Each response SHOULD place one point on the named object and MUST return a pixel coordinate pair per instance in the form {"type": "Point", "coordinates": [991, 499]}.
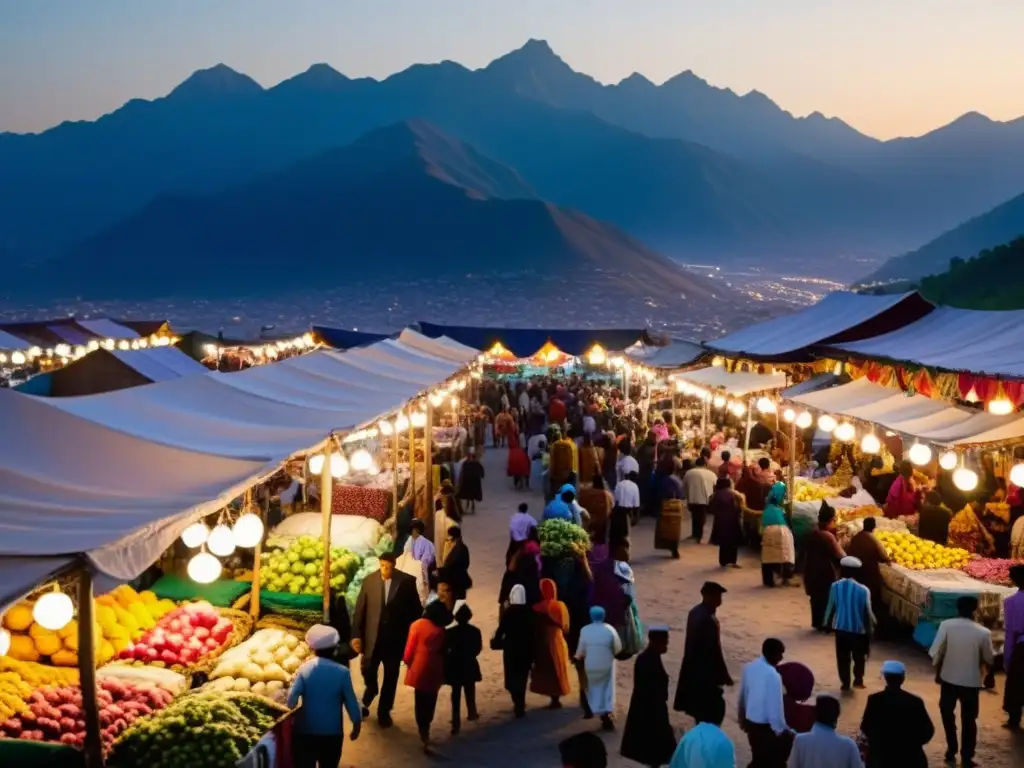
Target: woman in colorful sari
{"type": "Point", "coordinates": [550, 675]}
{"type": "Point", "coordinates": [778, 550]}
{"type": "Point", "coordinates": [902, 497]}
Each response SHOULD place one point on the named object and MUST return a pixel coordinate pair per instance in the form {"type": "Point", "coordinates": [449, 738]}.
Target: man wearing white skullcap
{"type": "Point", "coordinates": [896, 723]}
{"type": "Point", "coordinates": [324, 688]}
{"type": "Point", "coordinates": [849, 613]}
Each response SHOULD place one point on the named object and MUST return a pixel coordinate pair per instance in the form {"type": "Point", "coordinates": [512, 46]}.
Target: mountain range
{"type": "Point", "coordinates": [404, 202]}
{"type": "Point", "coordinates": [992, 280]}
{"type": "Point", "coordinates": [697, 172]}
{"type": "Point", "coordinates": [1000, 225]}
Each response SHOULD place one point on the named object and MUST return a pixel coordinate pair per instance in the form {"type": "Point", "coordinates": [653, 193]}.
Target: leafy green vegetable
{"type": "Point", "coordinates": [558, 538]}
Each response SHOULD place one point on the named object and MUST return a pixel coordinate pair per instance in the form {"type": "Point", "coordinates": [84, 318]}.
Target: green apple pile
{"type": "Point", "coordinates": [298, 568]}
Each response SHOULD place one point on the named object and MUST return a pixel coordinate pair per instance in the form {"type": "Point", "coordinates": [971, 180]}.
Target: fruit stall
{"type": "Point", "coordinates": [144, 592]}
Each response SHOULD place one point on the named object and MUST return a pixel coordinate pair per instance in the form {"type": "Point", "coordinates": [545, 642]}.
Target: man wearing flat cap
{"type": "Point", "coordinates": [388, 604]}
{"type": "Point", "coordinates": [849, 613]}
{"type": "Point", "coordinates": [896, 723]}
{"type": "Point", "coordinates": [648, 737]}
{"type": "Point", "coordinates": [703, 671]}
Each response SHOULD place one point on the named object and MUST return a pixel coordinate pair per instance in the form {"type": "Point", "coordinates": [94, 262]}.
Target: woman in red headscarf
{"type": "Point", "coordinates": [550, 676]}
{"type": "Point", "coordinates": [518, 465]}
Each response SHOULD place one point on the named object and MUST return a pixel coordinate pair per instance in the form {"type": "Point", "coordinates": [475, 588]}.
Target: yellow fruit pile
{"type": "Point", "coordinates": [919, 554]}
{"type": "Point", "coordinates": [807, 491]}
{"type": "Point", "coordinates": [121, 617]}
{"type": "Point", "coordinates": [868, 510]}
{"type": "Point", "coordinates": [18, 679]}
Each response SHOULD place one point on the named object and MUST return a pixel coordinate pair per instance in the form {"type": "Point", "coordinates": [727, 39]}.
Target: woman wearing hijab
{"type": "Point", "coordinates": [797, 686]}
{"type": "Point", "coordinates": [550, 676]}
{"type": "Point", "coordinates": [518, 466]}
{"type": "Point", "coordinates": [424, 660]}
{"type": "Point", "coordinates": [589, 459]}
{"type": "Point", "coordinates": [515, 639]}
{"type": "Point", "coordinates": [902, 496]}
{"type": "Point", "coordinates": [599, 645]}
{"type": "Point", "coordinates": [598, 501]}
{"type": "Point", "coordinates": [727, 528]}
{"type": "Point", "coordinates": [455, 569]}
{"type": "Point", "coordinates": [325, 690]}
{"type": "Point", "coordinates": [778, 550]}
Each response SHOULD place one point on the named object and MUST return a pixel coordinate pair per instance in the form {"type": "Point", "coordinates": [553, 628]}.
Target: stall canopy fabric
{"type": "Point", "coordinates": [47, 334]}
{"type": "Point", "coordinates": [339, 338]}
{"type": "Point", "coordinates": [524, 342]}
{"type": "Point", "coordinates": [676, 354]}
{"type": "Point", "coordinates": [110, 370]}
{"type": "Point", "coordinates": [839, 317]}
{"type": "Point", "coordinates": [442, 346]}
{"type": "Point", "coordinates": [736, 384]}
{"type": "Point", "coordinates": [984, 343]}
{"type": "Point", "coordinates": [933, 421]}
{"type": "Point", "coordinates": [119, 475]}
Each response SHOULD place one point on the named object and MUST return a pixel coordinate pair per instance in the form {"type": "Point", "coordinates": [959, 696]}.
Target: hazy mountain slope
{"type": "Point", "coordinates": [1000, 225]}
{"type": "Point", "coordinates": [992, 280]}
{"type": "Point", "coordinates": [404, 202]}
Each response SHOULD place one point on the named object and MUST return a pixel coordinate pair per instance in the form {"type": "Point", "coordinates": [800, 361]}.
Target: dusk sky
{"type": "Point", "coordinates": [887, 68]}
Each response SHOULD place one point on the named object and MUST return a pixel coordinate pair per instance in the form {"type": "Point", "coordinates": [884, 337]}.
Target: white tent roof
{"type": "Point", "coordinates": [736, 384]}
{"type": "Point", "coordinates": [956, 340]}
{"type": "Point", "coordinates": [119, 475]}
{"type": "Point", "coordinates": [159, 363]}
{"type": "Point", "coordinates": [103, 326]}
{"type": "Point", "coordinates": [7, 341]}
{"type": "Point", "coordinates": [442, 346]}
{"type": "Point", "coordinates": [915, 415]}
{"type": "Point", "coordinates": [837, 312]}
{"type": "Point", "coordinates": [676, 354]}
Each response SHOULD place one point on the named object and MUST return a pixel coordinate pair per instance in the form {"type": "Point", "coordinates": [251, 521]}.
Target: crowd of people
{"type": "Point", "coordinates": [604, 465]}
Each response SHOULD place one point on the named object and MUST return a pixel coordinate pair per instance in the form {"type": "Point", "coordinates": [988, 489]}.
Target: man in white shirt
{"type": "Point", "coordinates": [822, 747]}
{"type": "Point", "coordinates": [698, 486]}
{"type": "Point", "coordinates": [761, 712]}
{"type": "Point", "coordinates": [626, 463]}
{"type": "Point", "coordinates": [960, 648]}
{"type": "Point", "coordinates": [627, 496]}
{"type": "Point", "coordinates": [524, 410]}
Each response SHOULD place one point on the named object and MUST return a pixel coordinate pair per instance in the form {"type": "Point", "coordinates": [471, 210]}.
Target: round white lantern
{"type": "Point", "coordinates": [965, 479]}
{"type": "Point", "coordinates": [385, 427]}
{"type": "Point", "coordinates": [1001, 406]}
{"type": "Point", "coordinates": [789, 415]}
{"type": "Point", "coordinates": [339, 465]}
{"type": "Point", "coordinates": [738, 408]}
{"type": "Point", "coordinates": [204, 568]}
{"type": "Point", "coordinates": [827, 423]}
{"type": "Point", "coordinates": [870, 443]}
{"type": "Point", "coordinates": [947, 460]}
{"type": "Point", "coordinates": [53, 611]}
{"type": "Point", "coordinates": [436, 398]}
{"type": "Point", "coordinates": [719, 401]}
{"type": "Point", "coordinates": [919, 454]}
{"type": "Point", "coordinates": [401, 423]}
{"type": "Point", "coordinates": [804, 420]}
{"type": "Point", "coordinates": [248, 530]}
{"type": "Point", "coordinates": [361, 460]}
{"type": "Point", "coordinates": [221, 541]}
{"type": "Point", "coordinates": [316, 463]}
{"type": "Point", "coordinates": [419, 419]}
{"type": "Point", "coordinates": [765, 405]}
{"type": "Point", "coordinates": [5, 642]}
{"type": "Point", "coordinates": [195, 535]}
{"type": "Point", "coordinates": [845, 432]}
{"type": "Point", "coordinates": [1017, 475]}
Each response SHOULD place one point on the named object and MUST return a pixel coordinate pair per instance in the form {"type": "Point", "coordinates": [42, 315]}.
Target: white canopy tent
{"type": "Point", "coordinates": [917, 416]}
{"type": "Point", "coordinates": [673, 356]}
{"type": "Point", "coordinates": [735, 384]}
{"type": "Point", "coordinates": [118, 476]}
{"type": "Point", "coordinates": [442, 346]}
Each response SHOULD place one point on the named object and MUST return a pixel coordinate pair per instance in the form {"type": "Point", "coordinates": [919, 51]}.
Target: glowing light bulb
{"type": "Point", "coordinates": [789, 415]}
{"type": "Point", "coordinates": [316, 463]}
{"type": "Point", "coordinates": [221, 541]}
{"type": "Point", "coordinates": [947, 460]}
{"type": "Point", "coordinates": [919, 454]}
{"type": "Point", "coordinates": [339, 465]}
{"type": "Point", "coordinates": [53, 611]}
{"type": "Point", "coordinates": [248, 530]}
{"type": "Point", "coordinates": [965, 479]}
{"type": "Point", "coordinates": [804, 420]}
{"type": "Point", "coordinates": [1001, 406]}
{"type": "Point", "coordinates": [845, 432]}
{"type": "Point", "coordinates": [1017, 475]}
{"type": "Point", "coordinates": [361, 460]}
{"type": "Point", "coordinates": [5, 642]}
{"type": "Point", "coordinates": [718, 401]}
{"type": "Point", "coordinates": [385, 427]}
{"type": "Point", "coordinates": [870, 444]}
{"type": "Point", "coordinates": [826, 423]}
{"type": "Point", "coordinates": [401, 422]}
{"type": "Point", "coordinates": [204, 568]}
{"type": "Point", "coordinates": [765, 405]}
{"type": "Point", "coordinates": [419, 419]}
{"type": "Point", "coordinates": [195, 535]}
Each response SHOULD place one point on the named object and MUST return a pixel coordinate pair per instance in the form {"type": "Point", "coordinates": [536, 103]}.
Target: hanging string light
{"type": "Point", "coordinates": [316, 463]}
{"type": "Point", "coordinates": [804, 420]}
{"type": "Point", "coordinates": [1017, 475]}
{"type": "Point", "coordinates": [436, 398]}
{"type": "Point", "coordinates": [5, 642]}
{"type": "Point", "coordinates": [419, 419]}
{"type": "Point", "coordinates": [195, 535]}
{"type": "Point", "coordinates": [361, 460]}
{"type": "Point", "coordinates": [845, 432]}
{"type": "Point", "coordinates": [221, 541]}
{"type": "Point", "coordinates": [870, 443]}
{"type": "Point", "coordinates": [738, 408]}
{"type": "Point", "coordinates": [965, 479]}
{"type": "Point", "coordinates": [339, 465]}
{"type": "Point", "coordinates": [401, 422]}
{"type": "Point", "coordinates": [919, 454]}
{"type": "Point", "coordinates": [947, 460]}
{"type": "Point", "coordinates": [247, 530]}
{"type": "Point", "coordinates": [53, 611]}
{"type": "Point", "coordinates": [204, 568]}
{"type": "Point", "coordinates": [765, 405]}
{"type": "Point", "coordinates": [789, 415]}
{"type": "Point", "coordinates": [718, 401]}
{"type": "Point", "coordinates": [827, 423]}
{"type": "Point", "coordinates": [385, 427]}
{"type": "Point", "coordinates": [1000, 406]}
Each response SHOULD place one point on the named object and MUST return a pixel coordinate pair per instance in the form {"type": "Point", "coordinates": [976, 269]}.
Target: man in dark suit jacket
{"type": "Point", "coordinates": [388, 604]}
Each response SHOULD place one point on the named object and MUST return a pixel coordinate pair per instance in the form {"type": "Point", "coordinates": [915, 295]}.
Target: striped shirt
{"type": "Point", "coordinates": [849, 602]}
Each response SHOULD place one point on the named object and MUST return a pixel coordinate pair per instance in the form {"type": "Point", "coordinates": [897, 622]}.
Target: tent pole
{"type": "Point", "coordinates": [792, 463]}
{"type": "Point", "coordinates": [750, 424]}
{"type": "Point", "coordinates": [394, 472]}
{"type": "Point", "coordinates": [87, 671]}
{"type": "Point", "coordinates": [704, 408]}
{"type": "Point", "coordinates": [428, 464]}
{"type": "Point", "coordinates": [412, 460]}
{"type": "Point", "coordinates": [326, 503]}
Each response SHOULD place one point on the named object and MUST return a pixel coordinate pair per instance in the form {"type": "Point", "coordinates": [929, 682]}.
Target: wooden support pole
{"type": "Point", "coordinates": [428, 463]}
{"type": "Point", "coordinates": [254, 595]}
{"type": "Point", "coordinates": [750, 425]}
{"type": "Point", "coordinates": [394, 472]}
{"type": "Point", "coordinates": [412, 461]}
{"type": "Point", "coordinates": [792, 464]}
{"type": "Point", "coordinates": [93, 746]}
{"type": "Point", "coordinates": [326, 503]}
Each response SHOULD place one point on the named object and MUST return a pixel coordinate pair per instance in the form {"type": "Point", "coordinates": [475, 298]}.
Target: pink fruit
{"type": "Point", "coordinates": [141, 652]}
{"type": "Point", "coordinates": [169, 656]}
{"type": "Point", "coordinates": [174, 625]}
{"type": "Point", "coordinates": [201, 633]}
{"type": "Point", "coordinates": [151, 654]}
{"type": "Point", "coordinates": [68, 738]}
{"type": "Point", "coordinates": [67, 725]}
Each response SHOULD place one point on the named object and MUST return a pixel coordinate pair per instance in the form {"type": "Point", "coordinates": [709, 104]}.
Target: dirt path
{"type": "Point", "coordinates": [667, 590]}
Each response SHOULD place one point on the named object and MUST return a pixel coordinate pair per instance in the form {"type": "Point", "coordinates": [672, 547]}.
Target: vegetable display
{"type": "Point", "coordinates": [919, 554]}
{"type": "Point", "coordinates": [560, 538]}
{"type": "Point", "coordinates": [263, 664]}
{"type": "Point", "coordinates": [200, 730]}
{"type": "Point", "coordinates": [182, 637]}
{"type": "Point", "coordinates": [808, 491]}
{"type": "Point", "coordinates": [298, 568]}
{"type": "Point", "coordinates": [54, 714]}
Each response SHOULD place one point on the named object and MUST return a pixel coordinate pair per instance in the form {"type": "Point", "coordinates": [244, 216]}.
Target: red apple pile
{"type": "Point", "coordinates": [55, 713]}
{"type": "Point", "coordinates": [182, 637]}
